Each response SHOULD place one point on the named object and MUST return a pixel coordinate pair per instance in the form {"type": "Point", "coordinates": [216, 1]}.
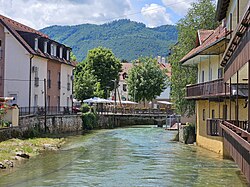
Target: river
{"type": "Point", "coordinates": [126, 157]}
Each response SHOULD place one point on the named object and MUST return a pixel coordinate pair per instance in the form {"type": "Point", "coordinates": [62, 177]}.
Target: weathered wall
{"type": "Point", "coordinates": [30, 126]}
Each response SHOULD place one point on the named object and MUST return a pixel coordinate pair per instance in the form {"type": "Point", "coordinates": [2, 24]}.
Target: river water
{"type": "Point", "coordinates": [126, 157]}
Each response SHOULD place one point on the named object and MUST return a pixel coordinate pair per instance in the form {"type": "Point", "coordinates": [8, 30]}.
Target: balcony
{"type": "Point", "coordinates": [207, 89]}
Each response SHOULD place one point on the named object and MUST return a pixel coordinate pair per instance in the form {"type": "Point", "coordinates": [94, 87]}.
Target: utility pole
{"type": "Point", "coordinates": [45, 106]}
{"type": "Point", "coordinates": [115, 94]}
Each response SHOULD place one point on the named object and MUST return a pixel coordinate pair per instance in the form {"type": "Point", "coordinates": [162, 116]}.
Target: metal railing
{"type": "Point", "coordinates": [51, 110]}
{"type": "Point", "coordinates": [211, 88]}
{"type": "Point", "coordinates": [241, 124]}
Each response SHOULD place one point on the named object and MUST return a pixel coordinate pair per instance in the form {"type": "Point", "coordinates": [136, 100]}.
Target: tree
{"type": "Point", "coordinates": [200, 16]}
{"type": "Point", "coordinates": [85, 83]}
{"type": "Point", "coordinates": [104, 66]}
{"type": "Point", "coordinates": [146, 80]}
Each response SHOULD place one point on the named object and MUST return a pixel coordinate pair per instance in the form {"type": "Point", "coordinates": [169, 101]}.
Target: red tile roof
{"type": "Point", "coordinates": [166, 66]}
{"type": "Point", "coordinates": [213, 37]}
{"type": "Point", "coordinates": [17, 28]}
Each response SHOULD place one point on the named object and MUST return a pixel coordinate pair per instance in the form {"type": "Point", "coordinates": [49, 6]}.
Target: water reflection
{"type": "Point", "coordinates": [126, 157]}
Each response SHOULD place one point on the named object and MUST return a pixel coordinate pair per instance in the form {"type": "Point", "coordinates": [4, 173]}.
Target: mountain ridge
{"type": "Point", "coordinates": [127, 39]}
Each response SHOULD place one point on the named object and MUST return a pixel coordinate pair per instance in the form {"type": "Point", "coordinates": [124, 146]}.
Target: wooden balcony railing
{"type": "Point", "coordinates": [213, 127]}
{"type": "Point", "coordinates": [206, 89]}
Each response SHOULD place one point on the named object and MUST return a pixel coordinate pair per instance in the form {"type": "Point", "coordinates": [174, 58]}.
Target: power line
{"type": "Point", "coordinates": [122, 16]}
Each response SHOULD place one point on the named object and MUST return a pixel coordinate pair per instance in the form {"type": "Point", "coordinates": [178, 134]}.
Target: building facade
{"type": "Point", "coordinates": [34, 69]}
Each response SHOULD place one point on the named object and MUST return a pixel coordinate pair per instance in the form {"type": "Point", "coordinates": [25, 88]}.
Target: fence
{"type": "Point", "coordinates": [49, 110]}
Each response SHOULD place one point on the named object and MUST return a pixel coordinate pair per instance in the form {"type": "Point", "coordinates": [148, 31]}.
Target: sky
{"type": "Point", "coordinates": [43, 13]}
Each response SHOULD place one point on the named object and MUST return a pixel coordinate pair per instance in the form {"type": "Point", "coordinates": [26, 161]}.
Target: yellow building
{"type": "Point", "coordinates": [222, 92]}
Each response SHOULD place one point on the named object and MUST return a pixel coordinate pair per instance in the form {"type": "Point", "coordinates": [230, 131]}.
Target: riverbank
{"type": "Point", "coordinates": [15, 150]}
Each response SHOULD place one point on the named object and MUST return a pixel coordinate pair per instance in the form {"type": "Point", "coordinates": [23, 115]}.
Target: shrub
{"type": "Point", "coordinates": [189, 132]}
{"type": "Point", "coordinates": [89, 120]}
{"type": "Point", "coordinates": [85, 108]}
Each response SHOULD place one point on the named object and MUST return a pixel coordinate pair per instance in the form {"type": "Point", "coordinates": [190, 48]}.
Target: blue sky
{"type": "Point", "coordinates": [42, 13]}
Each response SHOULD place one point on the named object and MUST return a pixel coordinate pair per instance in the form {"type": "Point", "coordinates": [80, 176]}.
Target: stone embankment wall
{"type": "Point", "coordinates": [30, 126]}
{"type": "Point", "coordinates": [33, 126]}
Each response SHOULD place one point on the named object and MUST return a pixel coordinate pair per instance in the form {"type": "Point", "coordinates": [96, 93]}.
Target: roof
{"type": "Point", "coordinates": [166, 66]}
{"type": "Point", "coordinates": [222, 7]}
{"type": "Point", "coordinates": [202, 35]}
{"type": "Point", "coordinates": [215, 36]}
{"type": "Point", "coordinates": [125, 68]}
{"type": "Point", "coordinates": [26, 36]}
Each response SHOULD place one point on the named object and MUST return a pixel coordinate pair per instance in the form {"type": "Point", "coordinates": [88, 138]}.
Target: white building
{"type": "Point", "coordinates": [28, 59]}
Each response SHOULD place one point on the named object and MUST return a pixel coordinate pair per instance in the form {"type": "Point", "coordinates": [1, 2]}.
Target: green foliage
{"type": "Point", "coordinates": [89, 120]}
{"type": "Point", "coordinates": [146, 80]}
{"type": "Point", "coordinates": [84, 82]}
{"type": "Point", "coordinates": [127, 39]}
{"type": "Point", "coordinates": [200, 16]}
{"type": "Point", "coordinates": [85, 108]}
{"type": "Point", "coordinates": [105, 67]}
{"type": "Point", "coordinates": [188, 132]}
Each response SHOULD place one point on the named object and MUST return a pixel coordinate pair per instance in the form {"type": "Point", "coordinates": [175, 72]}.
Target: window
{"type": "Point", "coordinates": [36, 44]}
{"type": "Point", "coordinates": [124, 75]}
{"type": "Point", "coordinates": [213, 114]}
{"type": "Point", "coordinates": [203, 114]}
{"type": "Point", "coordinates": [45, 47]}
{"type": "Point", "coordinates": [52, 49]}
{"type": "Point", "coordinates": [58, 103]}
{"type": "Point", "coordinates": [225, 112]}
{"type": "Point", "coordinates": [48, 101]}
{"type": "Point", "coordinates": [210, 74]}
{"type": "Point", "coordinates": [202, 76]}
{"type": "Point", "coordinates": [220, 73]}
{"type": "Point", "coordinates": [67, 101]}
{"type": "Point", "coordinates": [49, 80]}
{"type": "Point", "coordinates": [124, 87]}
{"type": "Point", "coordinates": [68, 53]}
{"type": "Point", "coordinates": [61, 52]}
{"type": "Point", "coordinates": [55, 50]}
{"type": "Point", "coordinates": [36, 76]}
{"type": "Point", "coordinates": [68, 83]}
{"type": "Point", "coordinates": [59, 80]}
{"type": "Point", "coordinates": [36, 100]}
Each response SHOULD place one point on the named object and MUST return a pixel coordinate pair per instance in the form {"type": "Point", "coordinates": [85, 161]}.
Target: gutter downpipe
{"type": "Point", "coordinates": [32, 56]}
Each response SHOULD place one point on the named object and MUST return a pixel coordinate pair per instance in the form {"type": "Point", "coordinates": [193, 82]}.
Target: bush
{"type": "Point", "coordinates": [89, 120]}
{"type": "Point", "coordinates": [189, 133]}
{"type": "Point", "coordinates": [85, 108]}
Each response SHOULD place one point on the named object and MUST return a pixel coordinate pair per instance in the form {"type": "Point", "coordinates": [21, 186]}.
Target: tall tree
{"type": "Point", "coordinates": [104, 66]}
{"type": "Point", "coordinates": [146, 80]}
{"type": "Point", "coordinates": [200, 16]}
{"type": "Point", "coordinates": [85, 83]}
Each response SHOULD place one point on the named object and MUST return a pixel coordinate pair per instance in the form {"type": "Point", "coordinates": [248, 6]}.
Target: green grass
{"type": "Point", "coordinates": [32, 147]}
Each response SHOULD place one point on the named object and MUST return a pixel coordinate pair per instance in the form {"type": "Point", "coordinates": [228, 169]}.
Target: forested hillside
{"type": "Point", "coordinates": [127, 39]}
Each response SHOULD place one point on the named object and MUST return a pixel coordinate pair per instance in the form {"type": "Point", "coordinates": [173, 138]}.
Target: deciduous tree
{"type": "Point", "coordinates": [104, 66]}
{"type": "Point", "coordinates": [200, 16]}
{"type": "Point", "coordinates": [146, 80]}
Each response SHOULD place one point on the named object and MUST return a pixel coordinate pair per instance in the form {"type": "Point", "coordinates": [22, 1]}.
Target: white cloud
{"type": "Point", "coordinates": [178, 6]}
{"type": "Point", "coordinates": [155, 15]}
{"type": "Point", "coordinates": [42, 13]}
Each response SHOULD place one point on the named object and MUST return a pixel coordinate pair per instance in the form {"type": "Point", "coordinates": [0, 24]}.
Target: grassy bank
{"type": "Point", "coordinates": [31, 147]}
